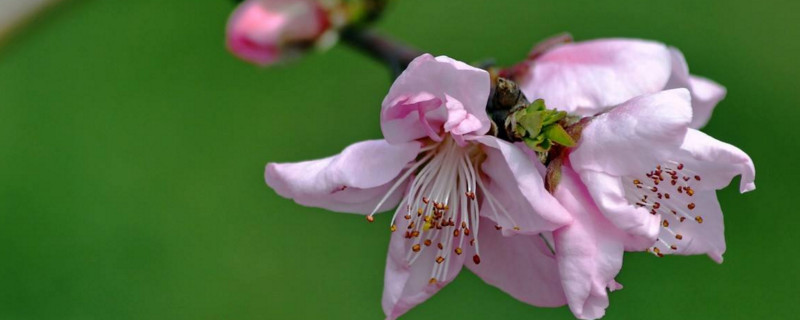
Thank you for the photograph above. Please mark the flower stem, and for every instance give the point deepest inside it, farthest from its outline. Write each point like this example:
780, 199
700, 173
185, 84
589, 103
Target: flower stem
395, 55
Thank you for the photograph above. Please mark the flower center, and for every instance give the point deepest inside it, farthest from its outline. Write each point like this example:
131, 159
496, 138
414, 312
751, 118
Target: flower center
440, 209
666, 191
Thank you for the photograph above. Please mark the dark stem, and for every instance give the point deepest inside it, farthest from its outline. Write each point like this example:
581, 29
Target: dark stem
392, 53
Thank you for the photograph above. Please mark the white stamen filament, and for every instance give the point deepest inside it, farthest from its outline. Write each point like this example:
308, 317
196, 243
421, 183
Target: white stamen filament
669, 198
441, 204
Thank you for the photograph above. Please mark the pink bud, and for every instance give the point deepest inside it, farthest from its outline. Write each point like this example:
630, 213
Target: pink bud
265, 31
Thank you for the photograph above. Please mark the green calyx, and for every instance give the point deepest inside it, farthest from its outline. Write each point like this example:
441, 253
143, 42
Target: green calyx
538, 127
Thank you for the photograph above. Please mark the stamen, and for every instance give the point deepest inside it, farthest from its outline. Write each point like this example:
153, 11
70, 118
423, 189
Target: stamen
672, 208
443, 193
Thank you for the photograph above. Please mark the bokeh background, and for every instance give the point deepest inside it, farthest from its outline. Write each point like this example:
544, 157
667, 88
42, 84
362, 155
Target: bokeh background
132, 148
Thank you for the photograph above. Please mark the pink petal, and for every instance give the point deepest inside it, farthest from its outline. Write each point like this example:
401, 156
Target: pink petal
707, 237
519, 187
635, 136
586, 77
550, 43
705, 96
258, 29
609, 196
406, 286
716, 162
589, 250
352, 181
522, 266
705, 93
434, 96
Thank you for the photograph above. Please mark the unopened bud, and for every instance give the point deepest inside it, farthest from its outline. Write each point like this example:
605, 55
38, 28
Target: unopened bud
265, 32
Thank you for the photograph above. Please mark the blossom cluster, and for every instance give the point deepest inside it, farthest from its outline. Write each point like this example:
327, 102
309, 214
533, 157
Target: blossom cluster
545, 221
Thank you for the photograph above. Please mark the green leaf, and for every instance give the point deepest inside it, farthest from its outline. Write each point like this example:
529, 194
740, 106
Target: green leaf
559, 135
545, 145
554, 116
536, 105
532, 122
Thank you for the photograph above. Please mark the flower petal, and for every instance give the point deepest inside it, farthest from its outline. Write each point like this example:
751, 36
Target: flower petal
716, 162
519, 187
522, 266
635, 136
696, 238
585, 78
589, 250
705, 96
705, 93
609, 196
406, 286
433, 96
352, 181
258, 31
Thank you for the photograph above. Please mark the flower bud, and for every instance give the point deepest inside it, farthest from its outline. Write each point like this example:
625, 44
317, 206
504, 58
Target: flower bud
265, 32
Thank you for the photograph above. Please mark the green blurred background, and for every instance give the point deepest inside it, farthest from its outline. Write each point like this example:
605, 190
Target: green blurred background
132, 148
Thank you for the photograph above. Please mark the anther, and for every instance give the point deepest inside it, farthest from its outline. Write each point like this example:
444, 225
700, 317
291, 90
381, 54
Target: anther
415, 248
458, 251
407, 217
425, 200
516, 228
456, 233
427, 242
691, 206
673, 247
440, 246
697, 178
370, 218
699, 219
665, 223
439, 259
466, 231
476, 258
432, 281
679, 236
393, 228
498, 227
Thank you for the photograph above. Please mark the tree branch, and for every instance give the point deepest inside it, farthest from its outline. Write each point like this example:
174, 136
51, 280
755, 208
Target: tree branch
392, 53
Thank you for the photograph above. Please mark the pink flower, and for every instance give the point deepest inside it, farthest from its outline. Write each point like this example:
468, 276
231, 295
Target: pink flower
587, 77
641, 179
450, 183
266, 31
